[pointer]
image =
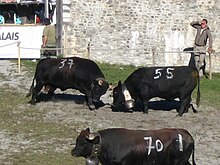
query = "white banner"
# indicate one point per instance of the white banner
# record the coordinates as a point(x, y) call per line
point(30, 38)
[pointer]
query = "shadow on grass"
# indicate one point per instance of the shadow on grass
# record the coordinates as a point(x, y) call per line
point(77, 99)
point(162, 105)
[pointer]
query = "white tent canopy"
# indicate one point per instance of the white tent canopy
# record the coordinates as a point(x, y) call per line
point(47, 4)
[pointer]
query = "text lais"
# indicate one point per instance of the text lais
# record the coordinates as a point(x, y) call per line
point(168, 73)
point(9, 36)
point(158, 146)
point(66, 62)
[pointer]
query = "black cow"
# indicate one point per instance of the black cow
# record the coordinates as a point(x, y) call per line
point(164, 82)
point(64, 73)
point(119, 146)
point(192, 60)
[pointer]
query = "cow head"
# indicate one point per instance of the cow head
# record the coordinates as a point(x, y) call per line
point(88, 146)
point(98, 88)
point(122, 100)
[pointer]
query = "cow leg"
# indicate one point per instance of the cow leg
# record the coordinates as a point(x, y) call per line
point(36, 91)
point(185, 102)
point(51, 94)
point(51, 91)
point(145, 98)
point(139, 107)
point(90, 103)
point(193, 108)
point(188, 106)
point(145, 101)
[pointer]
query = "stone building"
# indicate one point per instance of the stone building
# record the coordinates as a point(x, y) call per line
point(138, 32)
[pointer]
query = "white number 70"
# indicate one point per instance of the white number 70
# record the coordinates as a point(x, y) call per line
point(158, 145)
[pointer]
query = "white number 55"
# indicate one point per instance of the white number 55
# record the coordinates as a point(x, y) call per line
point(158, 73)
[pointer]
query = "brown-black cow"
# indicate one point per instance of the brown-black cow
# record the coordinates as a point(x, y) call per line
point(64, 73)
point(119, 146)
point(164, 82)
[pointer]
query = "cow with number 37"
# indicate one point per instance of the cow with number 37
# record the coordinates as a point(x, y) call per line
point(164, 82)
point(69, 73)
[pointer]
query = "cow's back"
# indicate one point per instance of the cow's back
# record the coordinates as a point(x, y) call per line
point(67, 72)
point(143, 147)
point(81, 65)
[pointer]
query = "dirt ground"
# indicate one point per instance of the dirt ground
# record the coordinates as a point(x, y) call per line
point(69, 110)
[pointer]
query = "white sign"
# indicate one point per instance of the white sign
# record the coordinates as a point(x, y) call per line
point(30, 38)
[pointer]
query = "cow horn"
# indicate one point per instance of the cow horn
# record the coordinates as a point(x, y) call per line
point(100, 81)
point(91, 136)
point(111, 87)
point(77, 131)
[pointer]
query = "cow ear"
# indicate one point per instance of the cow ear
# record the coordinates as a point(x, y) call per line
point(96, 140)
point(93, 137)
point(119, 83)
point(87, 129)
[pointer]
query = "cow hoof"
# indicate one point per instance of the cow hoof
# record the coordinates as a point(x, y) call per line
point(195, 111)
point(32, 102)
point(92, 107)
point(130, 111)
point(179, 115)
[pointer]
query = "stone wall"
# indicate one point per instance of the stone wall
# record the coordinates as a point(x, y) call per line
point(138, 32)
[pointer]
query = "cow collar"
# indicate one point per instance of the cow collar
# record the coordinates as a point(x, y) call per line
point(129, 101)
point(96, 149)
point(126, 93)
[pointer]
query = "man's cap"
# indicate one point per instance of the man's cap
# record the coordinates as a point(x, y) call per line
point(46, 21)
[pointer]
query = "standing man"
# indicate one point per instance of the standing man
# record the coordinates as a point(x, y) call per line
point(49, 38)
point(202, 35)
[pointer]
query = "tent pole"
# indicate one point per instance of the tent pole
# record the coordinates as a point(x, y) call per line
point(46, 9)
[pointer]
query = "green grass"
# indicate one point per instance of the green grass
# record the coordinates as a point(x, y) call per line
point(210, 91)
point(114, 73)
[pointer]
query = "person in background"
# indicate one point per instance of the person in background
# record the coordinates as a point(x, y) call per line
point(49, 38)
point(203, 34)
point(52, 4)
point(24, 13)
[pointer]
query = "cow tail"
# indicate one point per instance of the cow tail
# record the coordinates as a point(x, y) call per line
point(31, 89)
point(193, 155)
point(198, 93)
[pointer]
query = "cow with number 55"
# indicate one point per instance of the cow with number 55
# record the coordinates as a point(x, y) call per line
point(69, 73)
point(165, 82)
